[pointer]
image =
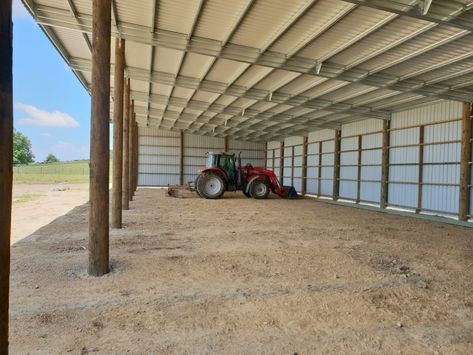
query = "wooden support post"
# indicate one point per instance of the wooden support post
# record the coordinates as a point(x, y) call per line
point(385, 164)
point(292, 165)
point(126, 143)
point(336, 165)
point(266, 155)
point(281, 164)
point(319, 171)
point(6, 169)
point(225, 144)
point(137, 155)
point(118, 134)
point(274, 159)
point(421, 169)
point(304, 166)
point(181, 158)
point(131, 148)
point(465, 167)
point(99, 140)
point(358, 174)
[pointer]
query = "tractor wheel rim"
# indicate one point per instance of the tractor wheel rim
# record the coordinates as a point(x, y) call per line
point(260, 189)
point(213, 186)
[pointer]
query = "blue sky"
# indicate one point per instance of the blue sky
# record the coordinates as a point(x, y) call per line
point(52, 108)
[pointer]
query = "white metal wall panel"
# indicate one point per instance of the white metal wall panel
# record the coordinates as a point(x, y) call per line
point(313, 161)
point(312, 168)
point(251, 153)
point(348, 169)
point(293, 144)
point(327, 162)
point(441, 111)
point(435, 197)
point(159, 153)
point(441, 162)
point(195, 148)
point(158, 157)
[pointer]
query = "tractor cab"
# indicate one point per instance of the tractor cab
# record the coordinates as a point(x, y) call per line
point(224, 161)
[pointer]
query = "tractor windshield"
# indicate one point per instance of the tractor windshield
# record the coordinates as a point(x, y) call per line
point(211, 161)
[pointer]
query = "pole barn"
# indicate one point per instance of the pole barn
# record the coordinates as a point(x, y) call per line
point(356, 103)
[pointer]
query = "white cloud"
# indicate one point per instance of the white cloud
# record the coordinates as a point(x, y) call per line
point(37, 117)
point(19, 10)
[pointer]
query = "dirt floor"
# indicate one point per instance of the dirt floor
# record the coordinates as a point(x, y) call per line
point(35, 205)
point(241, 276)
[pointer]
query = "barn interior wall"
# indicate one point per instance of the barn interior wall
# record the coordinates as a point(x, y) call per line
point(424, 160)
point(159, 155)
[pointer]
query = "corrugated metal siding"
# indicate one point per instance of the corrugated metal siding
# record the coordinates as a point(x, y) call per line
point(441, 162)
point(251, 153)
point(293, 174)
point(158, 157)
point(370, 172)
point(195, 148)
point(441, 111)
point(313, 160)
point(159, 153)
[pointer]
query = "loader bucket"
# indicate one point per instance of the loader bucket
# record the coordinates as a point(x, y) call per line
point(291, 192)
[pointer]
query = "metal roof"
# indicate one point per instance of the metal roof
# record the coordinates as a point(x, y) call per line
point(264, 69)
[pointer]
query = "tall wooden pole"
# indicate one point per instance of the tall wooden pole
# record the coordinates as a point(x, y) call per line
point(385, 164)
point(304, 166)
point(225, 144)
point(118, 134)
point(6, 169)
point(137, 152)
point(336, 165)
point(465, 167)
point(130, 152)
point(319, 170)
point(358, 170)
point(420, 169)
point(266, 155)
point(99, 140)
point(126, 149)
point(181, 157)
point(281, 163)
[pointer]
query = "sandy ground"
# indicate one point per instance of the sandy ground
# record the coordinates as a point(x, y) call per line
point(241, 276)
point(37, 205)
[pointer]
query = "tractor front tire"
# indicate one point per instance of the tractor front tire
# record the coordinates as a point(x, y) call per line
point(259, 189)
point(211, 185)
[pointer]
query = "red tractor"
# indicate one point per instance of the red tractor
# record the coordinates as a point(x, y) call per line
point(223, 172)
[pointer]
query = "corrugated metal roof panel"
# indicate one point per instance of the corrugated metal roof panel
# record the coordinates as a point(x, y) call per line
point(176, 15)
point(219, 17)
point(311, 24)
point(266, 20)
point(353, 25)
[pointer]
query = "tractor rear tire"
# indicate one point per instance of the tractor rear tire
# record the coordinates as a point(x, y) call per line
point(259, 189)
point(247, 194)
point(211, 185)
point(196, 185)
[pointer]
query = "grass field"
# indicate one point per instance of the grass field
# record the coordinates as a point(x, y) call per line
point(68, 172)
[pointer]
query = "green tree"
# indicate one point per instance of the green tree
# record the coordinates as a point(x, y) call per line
point(22, 149)
point(51, 158)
